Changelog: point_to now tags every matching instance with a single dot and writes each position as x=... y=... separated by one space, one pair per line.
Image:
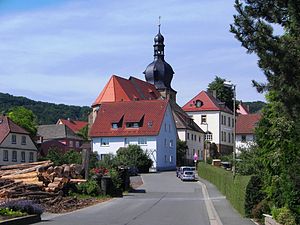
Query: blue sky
x=65 y=51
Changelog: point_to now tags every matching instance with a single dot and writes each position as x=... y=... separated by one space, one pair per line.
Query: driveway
x=163 y=199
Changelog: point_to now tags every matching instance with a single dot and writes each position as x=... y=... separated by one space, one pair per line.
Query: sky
x=65 y=51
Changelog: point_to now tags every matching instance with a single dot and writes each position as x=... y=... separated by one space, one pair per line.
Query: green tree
x=278 y=52
x=58 y=157
x=224 y=94
x=133 y=156
x=181 y=148
x=83 y=132
x=24 y=118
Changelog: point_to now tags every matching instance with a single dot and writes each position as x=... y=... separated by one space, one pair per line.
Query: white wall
x=193 y=145
x=247 y=144
x=214 y=125
x=167 y=132
x=18 y=147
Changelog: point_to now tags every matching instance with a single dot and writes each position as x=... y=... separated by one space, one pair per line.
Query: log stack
x=37 y=180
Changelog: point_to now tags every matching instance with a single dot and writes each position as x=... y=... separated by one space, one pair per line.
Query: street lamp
x=233 y=87
x=205 y=142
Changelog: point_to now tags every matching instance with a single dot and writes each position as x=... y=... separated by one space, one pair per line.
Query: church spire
x=159 y=44
x=159 y=72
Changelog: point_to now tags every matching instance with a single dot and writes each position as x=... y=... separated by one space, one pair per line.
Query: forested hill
x=47 y=113
x=255 y=107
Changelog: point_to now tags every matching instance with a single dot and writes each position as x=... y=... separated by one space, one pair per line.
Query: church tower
x=159 y=72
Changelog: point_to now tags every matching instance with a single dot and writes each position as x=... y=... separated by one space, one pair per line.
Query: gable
x=205 y=101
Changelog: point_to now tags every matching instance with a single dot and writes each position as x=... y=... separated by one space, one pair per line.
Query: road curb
x=213 y=216
x=24 y=220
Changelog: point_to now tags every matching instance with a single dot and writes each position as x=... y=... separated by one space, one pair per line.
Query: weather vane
x=159 y=22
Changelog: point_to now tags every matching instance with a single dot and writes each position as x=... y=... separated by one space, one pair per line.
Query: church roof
x=149 y=115
x=205 y=101
x=120 y=89
x=8 y=126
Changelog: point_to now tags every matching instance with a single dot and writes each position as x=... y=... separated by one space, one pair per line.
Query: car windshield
x=187 y=169
x=188 y=173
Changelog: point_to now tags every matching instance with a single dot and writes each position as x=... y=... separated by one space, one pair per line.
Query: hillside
x=255 y=106
x=47 y=113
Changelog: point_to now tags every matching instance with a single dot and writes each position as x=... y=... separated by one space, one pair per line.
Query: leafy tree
x=181 y=148
x=224 y=94
x=279 y=58
x=83 y=132
x=133 y=156
x=24 y=118
x=58 y=157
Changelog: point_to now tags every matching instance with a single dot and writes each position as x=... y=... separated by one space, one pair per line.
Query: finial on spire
x=159 y=23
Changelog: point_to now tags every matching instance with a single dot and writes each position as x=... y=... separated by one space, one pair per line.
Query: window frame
x=23 y=156
x=5 y=155
x=23 y=140
x=14 y=139
x=14 y=156
x=104 y=143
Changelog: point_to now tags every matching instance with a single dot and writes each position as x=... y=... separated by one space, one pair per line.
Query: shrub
x=25 y=206
x=91 y=187
x=283 y=216
x=133 y=156
x=254 y=196
x=261 y=208
x=10 y=212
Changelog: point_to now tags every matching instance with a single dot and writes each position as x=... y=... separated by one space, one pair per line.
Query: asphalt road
x=166 y=201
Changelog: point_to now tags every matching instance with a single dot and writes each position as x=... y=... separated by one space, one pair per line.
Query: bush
x=254 y=196
x=25 y=206
x=10 y=212
x=91 y=187
x=233 y=188
x=261 y=208
x=283 y=216
x=133 y=156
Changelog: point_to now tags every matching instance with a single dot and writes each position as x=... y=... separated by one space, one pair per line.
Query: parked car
x=188 y=175
x=182 y=169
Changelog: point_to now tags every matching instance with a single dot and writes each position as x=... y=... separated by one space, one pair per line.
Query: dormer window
x=198 y=103
x=117 y=124
x=132 y=125
x=114 y=126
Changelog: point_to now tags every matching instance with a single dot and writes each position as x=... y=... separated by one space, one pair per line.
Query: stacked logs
x=37 y=180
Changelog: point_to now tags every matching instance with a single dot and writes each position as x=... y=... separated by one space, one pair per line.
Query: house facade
x=16 y=145
x=245 y=130
x=148 y=123
x=213 y=117
x=51 y=134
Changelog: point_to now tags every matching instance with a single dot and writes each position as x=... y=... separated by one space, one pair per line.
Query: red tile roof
x=245 y=124
x=208 y=103
x=74 y=125
x=8 y=126
x=150 y=112
x=119 y=89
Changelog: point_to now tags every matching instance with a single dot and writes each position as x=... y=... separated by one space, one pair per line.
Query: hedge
x=233 y=188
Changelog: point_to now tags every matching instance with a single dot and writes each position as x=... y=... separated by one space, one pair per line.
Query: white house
x=213 y=117
x=147 y=123
x=16 y=146
x=245 y=126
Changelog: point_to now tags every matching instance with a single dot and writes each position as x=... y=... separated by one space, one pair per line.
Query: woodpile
x=38 y=180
